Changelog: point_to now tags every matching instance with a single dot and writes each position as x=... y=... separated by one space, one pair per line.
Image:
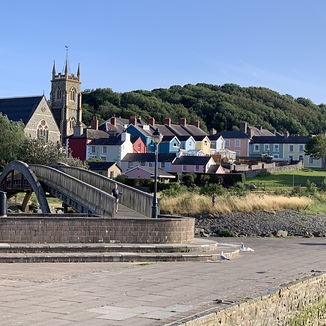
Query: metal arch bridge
x=81 y=189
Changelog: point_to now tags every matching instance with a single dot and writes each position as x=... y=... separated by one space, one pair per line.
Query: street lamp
x=156 y=139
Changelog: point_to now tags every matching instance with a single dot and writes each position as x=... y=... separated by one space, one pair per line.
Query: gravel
x=260 y=223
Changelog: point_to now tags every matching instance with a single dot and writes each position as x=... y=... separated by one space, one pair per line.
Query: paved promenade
x=97 y=294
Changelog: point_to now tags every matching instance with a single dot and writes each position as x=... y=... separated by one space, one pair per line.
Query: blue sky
x=127 y=45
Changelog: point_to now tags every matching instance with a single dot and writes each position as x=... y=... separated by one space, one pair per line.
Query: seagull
x=243 y=248
x=223 y=257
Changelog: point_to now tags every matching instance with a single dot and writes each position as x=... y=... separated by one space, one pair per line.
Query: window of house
x=104 y=148
x=310 y=159
x=139 y=148
x=291 y=148
x=300 y=158
x=184 y=168
x=197 y=168
x=93 y=149
x=227 y=143
x=237 y=143
x=276 y=148
x=275 y=155
x=266 y=148
x=162 y=164
x=301 y=148
x=256 y=148
x=237 y=153
x=142 y=163
x=130 y=164
x=150 y=164
x=291 y=157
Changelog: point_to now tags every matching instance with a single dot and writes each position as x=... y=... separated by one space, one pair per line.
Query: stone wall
x=49 y=229
x=296 y=304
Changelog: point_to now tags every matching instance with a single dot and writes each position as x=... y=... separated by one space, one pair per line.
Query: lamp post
x=156 y=139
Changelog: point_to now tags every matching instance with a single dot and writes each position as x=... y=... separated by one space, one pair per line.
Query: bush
x=226 y=233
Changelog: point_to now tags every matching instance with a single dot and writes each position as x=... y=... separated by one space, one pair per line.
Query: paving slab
x=153 y=293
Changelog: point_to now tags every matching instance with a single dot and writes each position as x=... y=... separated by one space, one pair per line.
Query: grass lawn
x=286 y=180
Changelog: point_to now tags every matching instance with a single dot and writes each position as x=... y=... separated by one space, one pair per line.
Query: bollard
x=3 y=204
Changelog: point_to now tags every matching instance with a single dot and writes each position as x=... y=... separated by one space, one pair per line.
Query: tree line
x=219 y=107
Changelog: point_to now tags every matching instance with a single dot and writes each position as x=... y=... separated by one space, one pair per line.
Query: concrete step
x=199 y=250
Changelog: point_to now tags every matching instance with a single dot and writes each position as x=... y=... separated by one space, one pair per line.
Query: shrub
x=226 y=233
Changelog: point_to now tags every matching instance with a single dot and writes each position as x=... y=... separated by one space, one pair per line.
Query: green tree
x=316 y=147
x=12 y=137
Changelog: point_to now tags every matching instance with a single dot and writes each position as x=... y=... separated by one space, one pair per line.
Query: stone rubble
x=263 y=224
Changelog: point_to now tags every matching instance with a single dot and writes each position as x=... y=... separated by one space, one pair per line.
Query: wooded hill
x=219 y=107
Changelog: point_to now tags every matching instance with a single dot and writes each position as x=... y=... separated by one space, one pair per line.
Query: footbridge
x=81 y=189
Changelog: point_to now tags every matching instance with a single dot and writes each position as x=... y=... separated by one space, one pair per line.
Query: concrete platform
x=152 y=293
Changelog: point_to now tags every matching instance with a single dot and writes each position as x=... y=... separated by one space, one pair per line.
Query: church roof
x=19 y=108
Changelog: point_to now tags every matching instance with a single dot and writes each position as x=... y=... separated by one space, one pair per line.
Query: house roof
x=279 y=139
x=192 y=160
x=114 y=140
x=259 y=131
x=19 y=108
x=149 y=157
x=194 y=131
x=109 y=127
x=101 y=165
x=160 y=172
x=232 y=134
x=92 y=134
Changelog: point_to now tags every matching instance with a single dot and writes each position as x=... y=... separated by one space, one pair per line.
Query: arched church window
x=73 y=94
x=43 y=131
x=72 y=122
x=59 y=93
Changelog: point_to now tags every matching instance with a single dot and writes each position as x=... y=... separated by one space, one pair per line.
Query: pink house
x=146 y=172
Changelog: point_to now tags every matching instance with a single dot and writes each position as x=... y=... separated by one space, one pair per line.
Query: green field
x=286 y=180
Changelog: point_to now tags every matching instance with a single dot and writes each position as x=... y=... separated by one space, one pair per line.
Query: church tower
x=66 y=100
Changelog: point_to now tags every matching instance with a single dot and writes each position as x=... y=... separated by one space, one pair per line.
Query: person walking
x=214 y=199
x=115 y=194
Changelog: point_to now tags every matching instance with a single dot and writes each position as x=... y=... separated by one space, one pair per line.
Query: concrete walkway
x=155 y=294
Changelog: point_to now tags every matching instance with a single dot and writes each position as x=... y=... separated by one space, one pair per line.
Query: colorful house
x=146 y=172
x=236 y=141
x=147 y=159
x=111 y=149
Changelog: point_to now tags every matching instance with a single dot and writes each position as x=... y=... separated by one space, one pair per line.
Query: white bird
x=223 y=257
x=243 y=248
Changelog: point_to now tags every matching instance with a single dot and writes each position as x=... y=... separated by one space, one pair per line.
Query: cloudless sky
x=128 y=45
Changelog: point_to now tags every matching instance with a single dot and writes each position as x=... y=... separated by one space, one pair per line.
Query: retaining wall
x=295 y=304
x=49 y=229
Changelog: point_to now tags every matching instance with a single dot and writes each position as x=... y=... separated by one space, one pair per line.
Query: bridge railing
x=135 y=199
x=96 y=200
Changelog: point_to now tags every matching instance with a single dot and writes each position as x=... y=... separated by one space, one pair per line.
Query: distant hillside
x=220 y=107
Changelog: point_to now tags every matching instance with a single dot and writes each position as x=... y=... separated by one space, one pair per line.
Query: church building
x=55 y=120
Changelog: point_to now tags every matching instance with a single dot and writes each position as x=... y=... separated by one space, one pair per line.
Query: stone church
x=54 y=120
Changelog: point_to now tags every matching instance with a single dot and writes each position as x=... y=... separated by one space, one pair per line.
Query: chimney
x=197 y=123
x=78 y=130
x=133 y=120
x=151 y=121
x=167 y=121
x=94 y=123
x=244 y=127
x=183 y=121
x=212 y=132
x=113 y=121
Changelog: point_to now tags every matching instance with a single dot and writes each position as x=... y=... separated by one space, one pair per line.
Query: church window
x=58 y=93
x=43 y=131
x=73 y=94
